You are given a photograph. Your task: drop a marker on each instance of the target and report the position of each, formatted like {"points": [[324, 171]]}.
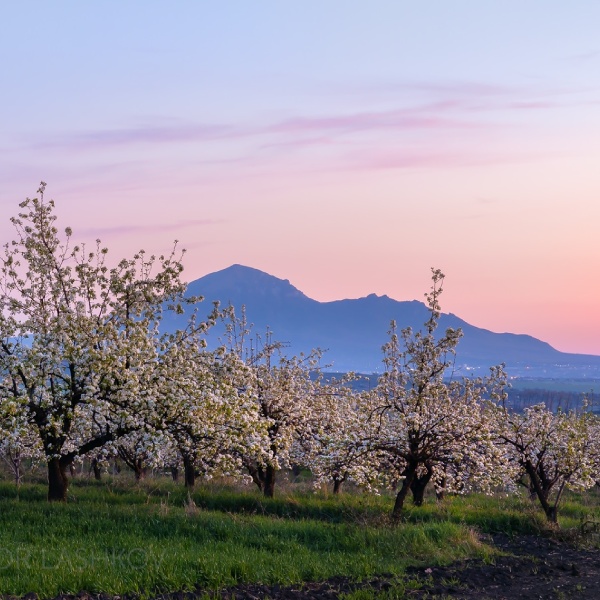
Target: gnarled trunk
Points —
{"points": [[542, 492], [58, 482], [409, 475], [269, 485], [139, 469], [419, 484], [257, 473], [189, 472], [337, 485], [96, 469]]}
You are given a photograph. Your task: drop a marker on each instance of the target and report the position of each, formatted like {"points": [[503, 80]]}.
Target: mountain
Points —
{"points": [[353, 331]]}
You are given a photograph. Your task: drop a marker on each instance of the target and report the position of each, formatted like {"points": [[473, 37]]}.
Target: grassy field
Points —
{"points": [[118, 538]]}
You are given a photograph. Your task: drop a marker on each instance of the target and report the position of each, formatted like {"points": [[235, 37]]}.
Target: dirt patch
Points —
{"points": [[535, 567]]}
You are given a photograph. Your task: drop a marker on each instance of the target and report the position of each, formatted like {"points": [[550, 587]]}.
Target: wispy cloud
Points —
{"points": [[534, 105], [143, 134], [367, 121], [399, 119], [423, 111], [154, 228], [432, 157], [584, 56], [446, 89]]}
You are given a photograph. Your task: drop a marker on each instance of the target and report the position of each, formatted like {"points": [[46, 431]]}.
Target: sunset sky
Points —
{"points": [[347, 146]]}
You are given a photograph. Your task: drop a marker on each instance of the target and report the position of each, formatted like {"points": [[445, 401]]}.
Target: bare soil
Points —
{"points": [[532, 567]]}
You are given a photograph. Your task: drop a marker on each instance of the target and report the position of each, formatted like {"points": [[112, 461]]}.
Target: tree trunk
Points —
{"points": [[139, 469], [418, 485], [189, 472], [409, 474], [175, 474], [337, 485], [18, 474], [257, 474], [96, 469], [58, 482], [269, 485], [552, 514], [13, 459], [542, 493], [440, 489]]}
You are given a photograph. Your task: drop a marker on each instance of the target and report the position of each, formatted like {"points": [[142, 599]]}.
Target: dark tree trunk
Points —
{"points": [[139, 469], [552, 513], [419, 484], [409, 475], [257, 473], [542, 492], [189, 472], [337, 485], [58, 482], [175, 473], [440, 490], [96, 469], [269, 485]]}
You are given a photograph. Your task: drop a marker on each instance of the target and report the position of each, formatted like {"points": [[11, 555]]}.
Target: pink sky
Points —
{"points": [[344, 148]]}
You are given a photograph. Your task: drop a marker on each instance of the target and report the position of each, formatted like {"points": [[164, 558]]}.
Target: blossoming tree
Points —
{"points": [[554, 451], [79, 341], [420, 416]]}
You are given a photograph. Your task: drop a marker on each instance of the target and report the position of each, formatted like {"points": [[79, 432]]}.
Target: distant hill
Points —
{"points": [[353, 331]]}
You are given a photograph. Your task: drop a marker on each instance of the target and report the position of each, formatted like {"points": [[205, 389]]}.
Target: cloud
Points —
{"points": [[399, 119], [584, 56], [367, 121], [432, 157], [462, 112], [448, 88], [154, 228], [144, 134], [533, 105]]}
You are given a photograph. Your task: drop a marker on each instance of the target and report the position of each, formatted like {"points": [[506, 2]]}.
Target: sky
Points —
{"points": [[346, 146]]}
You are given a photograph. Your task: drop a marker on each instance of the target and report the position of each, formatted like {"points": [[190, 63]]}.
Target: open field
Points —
{"points": [[119, 538]]}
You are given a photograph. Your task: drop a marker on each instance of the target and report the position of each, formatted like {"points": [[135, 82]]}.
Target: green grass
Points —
{"points": [[122, 538], [150, 539]]}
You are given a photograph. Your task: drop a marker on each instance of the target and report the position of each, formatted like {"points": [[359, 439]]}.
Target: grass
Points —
{"points": [[121, 538]]}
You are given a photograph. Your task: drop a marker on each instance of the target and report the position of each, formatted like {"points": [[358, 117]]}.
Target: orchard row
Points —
{"points": [[86, 372]]}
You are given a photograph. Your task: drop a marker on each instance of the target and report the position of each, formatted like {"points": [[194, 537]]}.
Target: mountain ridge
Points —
{"points": [[354, 330]]}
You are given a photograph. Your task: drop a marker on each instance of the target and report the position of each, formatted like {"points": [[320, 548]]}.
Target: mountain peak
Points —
{"points": [[237, 283]]}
